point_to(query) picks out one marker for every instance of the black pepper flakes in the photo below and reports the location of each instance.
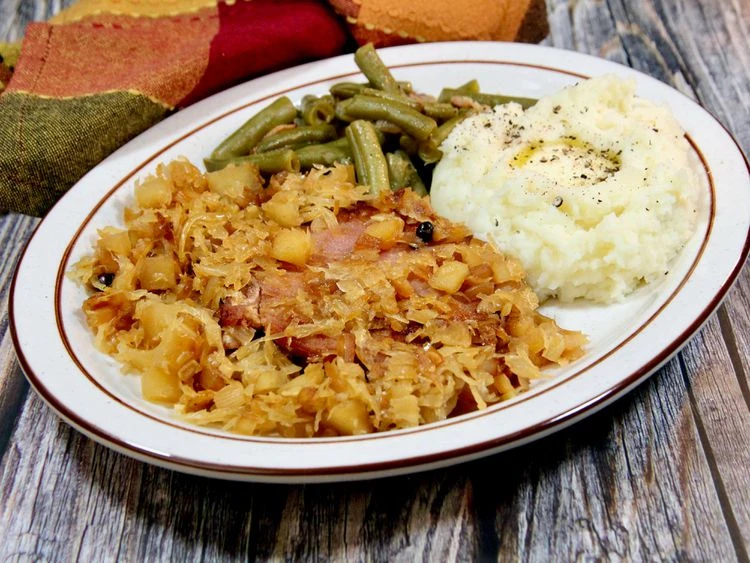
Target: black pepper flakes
(558, 201)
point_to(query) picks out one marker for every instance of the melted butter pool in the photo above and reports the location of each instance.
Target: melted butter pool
(568, 160)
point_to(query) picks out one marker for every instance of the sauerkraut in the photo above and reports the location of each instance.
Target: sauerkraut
(306, 306)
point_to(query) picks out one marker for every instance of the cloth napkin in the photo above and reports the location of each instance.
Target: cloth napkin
(102, 71)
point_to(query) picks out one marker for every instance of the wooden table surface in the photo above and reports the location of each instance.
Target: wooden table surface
(663, 474)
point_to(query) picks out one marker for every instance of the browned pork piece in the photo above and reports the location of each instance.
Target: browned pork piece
(309, 307)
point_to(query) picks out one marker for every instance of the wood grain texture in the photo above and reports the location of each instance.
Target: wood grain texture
(16, 14)
(14, 231)
(663, 474)
(612, 491)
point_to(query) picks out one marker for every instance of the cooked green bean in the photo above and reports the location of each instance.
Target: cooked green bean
(341, 113)
(386, 127)
(442, 132)
(267, 162)
(240, 142)
(369, 161)
(403, 174)
(447, 94)
(471, 87)
(429, 152)
(429, 149)
(410, 121)
(371, 65)
(327, 154)
(408, 144)
(399, 98)
(345, 90)
(406, 86)
(440, 111)
(317, 110)
(297, 137)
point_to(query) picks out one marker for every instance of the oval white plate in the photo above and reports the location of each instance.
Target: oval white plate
(628, 341)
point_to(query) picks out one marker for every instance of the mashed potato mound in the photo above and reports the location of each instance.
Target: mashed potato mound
(592, 189)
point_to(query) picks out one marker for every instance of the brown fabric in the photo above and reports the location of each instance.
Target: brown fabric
(535, 25)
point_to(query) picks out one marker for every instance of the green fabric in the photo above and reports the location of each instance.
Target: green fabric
(43, 151)
(9, 53)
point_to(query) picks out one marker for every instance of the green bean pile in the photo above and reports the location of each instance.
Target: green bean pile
(391, 133)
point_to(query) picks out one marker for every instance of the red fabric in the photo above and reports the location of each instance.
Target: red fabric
(261, 36)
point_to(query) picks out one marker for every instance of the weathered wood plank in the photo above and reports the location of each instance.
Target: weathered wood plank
(702, 47)
(735, 323)
(721, 403)
(14, 232)
(16, 14)
(629, 483)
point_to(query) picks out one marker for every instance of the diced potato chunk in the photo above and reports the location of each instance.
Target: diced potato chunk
(269, 381)
(155, 317)
(159, 386)
(453, 334)
(312, 376)
(158, 273)
(211, 379)
(293, 246)
(153, 192)
(234, 181)
(387, 230)
(405, 410)
(506, 269)
(283, 209)
(117, 242)
(450, 276)
(350, 417)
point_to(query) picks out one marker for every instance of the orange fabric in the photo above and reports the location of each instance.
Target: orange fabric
(137, 8)
(57, 60)
(437, 20)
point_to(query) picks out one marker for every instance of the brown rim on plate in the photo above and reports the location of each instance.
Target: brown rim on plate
(547, 425)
